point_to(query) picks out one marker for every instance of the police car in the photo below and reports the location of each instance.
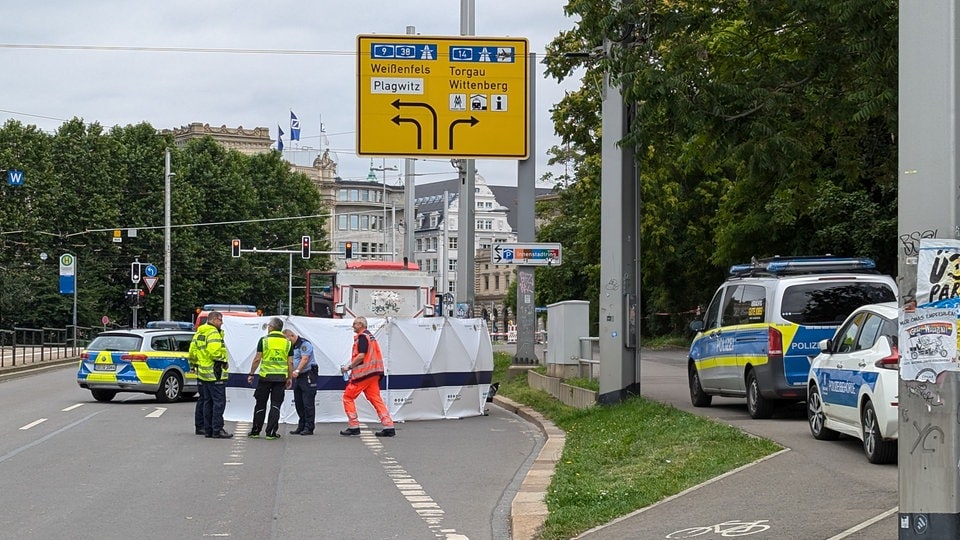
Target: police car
(764, 324)
(151, 361)
(853, 383)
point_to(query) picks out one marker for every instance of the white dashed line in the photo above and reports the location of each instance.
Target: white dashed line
(72, 407)
(424, 505)
(157, 413)
(34, 423)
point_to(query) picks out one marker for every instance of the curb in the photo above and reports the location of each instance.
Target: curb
(25, 369)
(528, 511)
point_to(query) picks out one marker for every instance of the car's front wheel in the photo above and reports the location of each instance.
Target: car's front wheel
(103, 395)
(698, 397)
(817, 418)
(877, 450)
(758, 406)
(171, 387)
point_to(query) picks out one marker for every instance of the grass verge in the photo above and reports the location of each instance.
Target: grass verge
(623, 457)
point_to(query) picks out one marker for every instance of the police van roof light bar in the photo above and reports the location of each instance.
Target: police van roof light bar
(805, 265)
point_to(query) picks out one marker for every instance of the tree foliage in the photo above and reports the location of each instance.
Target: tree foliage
(82, 183)
(759, 129)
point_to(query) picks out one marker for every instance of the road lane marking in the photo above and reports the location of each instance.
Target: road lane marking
(13, 453)
(421, 503)
(72, 407)
(157, 413)
(865, 524)
(32, 424)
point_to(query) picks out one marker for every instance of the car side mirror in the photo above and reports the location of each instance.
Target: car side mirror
(696, 325)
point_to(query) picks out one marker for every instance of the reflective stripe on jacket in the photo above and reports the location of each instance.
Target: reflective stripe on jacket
(274, 351)
(207, 348)
(372, 361)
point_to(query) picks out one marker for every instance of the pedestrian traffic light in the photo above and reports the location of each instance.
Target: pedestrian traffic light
(348, 249)
(235, 247)
(305, 247)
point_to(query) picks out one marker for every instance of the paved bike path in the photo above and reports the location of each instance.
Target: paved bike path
(807, 491)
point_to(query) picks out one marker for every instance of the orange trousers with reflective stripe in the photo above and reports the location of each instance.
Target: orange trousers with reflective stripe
(370, 388)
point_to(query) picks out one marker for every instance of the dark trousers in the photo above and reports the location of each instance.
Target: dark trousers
(304, 399)
(213, 394)
(273, 390)
(198, 410)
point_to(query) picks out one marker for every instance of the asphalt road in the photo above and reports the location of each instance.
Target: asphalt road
(812, 490)
(76, 468)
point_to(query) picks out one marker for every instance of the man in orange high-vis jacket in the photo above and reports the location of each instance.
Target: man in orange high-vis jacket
(366, 369)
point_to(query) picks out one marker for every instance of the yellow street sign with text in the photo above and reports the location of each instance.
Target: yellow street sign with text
(462, 97)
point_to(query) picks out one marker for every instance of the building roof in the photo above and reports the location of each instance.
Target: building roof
(505, 195)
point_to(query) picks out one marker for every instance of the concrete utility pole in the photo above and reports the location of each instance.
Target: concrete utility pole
(928, 208)
(619, 251)
(526, 232)
(465, 225)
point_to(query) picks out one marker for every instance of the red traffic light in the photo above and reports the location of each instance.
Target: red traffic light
(305, 247)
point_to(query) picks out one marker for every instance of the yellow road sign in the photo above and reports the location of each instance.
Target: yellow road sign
(464, 97)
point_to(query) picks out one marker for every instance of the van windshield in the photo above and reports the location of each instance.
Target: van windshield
(829, 303)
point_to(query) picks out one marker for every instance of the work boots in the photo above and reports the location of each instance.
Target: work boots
(350, 431)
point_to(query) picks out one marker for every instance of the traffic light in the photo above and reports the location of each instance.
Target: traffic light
(305, 247)
(235, 247)
(135, 298)
(141, 298)
(348, 249)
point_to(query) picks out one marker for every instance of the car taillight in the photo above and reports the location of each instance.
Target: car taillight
(774, 344)
(890, 362)
(134, 358)
(84, 355)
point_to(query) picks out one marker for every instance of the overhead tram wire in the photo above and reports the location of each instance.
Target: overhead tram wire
(208, 50)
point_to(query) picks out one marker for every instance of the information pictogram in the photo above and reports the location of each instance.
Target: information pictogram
(442, 96)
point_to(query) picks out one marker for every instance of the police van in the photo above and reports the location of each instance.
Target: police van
(765, 321)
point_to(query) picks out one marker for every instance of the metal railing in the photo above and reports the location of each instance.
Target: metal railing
(587, 363)
(21, 346)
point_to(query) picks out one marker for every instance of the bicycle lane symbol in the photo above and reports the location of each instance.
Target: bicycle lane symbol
(727, 529)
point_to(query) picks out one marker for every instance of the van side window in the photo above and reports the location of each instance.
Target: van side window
(712, 317)
(755, 302)
(731, 306)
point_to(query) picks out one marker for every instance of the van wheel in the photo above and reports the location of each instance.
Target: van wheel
(103, 395)
(758, 406)
(816, 418)
(698, 397)
(170, 387)
(877, 450)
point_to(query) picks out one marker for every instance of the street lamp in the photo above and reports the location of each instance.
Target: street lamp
(383, 169)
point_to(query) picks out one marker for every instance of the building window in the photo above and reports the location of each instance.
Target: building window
(354, 222)
(496, 282)
(451, 286)
(486, 282)
(354, 195)
(364, 223)
(365, 195)
(419, 244)
(452, 265)
(342, 222)
(453, 242)
(342, 195)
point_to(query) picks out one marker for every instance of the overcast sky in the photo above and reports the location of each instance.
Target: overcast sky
(58, 64)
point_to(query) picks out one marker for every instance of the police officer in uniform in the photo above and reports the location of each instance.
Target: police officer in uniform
(208, 356)
(305, 372)
(274, 359)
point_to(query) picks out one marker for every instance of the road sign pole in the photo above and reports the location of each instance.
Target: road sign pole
(526, 286)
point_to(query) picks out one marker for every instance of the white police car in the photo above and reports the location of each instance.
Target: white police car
(853, 383)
